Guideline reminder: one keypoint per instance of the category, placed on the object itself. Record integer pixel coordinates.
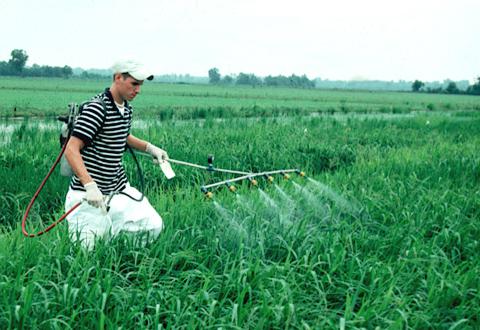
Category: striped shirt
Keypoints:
(104, 132)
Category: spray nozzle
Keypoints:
(208, 194)
(231, 187)
(253, 181)
(269, 178)
(301, 173)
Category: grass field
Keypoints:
(383, 233)
(47, 97)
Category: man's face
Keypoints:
(127, 86)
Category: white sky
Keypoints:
(335, 39)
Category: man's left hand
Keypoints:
(159, 155)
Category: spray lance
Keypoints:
(229, 183)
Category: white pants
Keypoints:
(86, 223)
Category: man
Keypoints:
(95, 151)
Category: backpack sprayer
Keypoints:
(66, 170)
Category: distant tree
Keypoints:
(435, 90)
(35, 70)
(227, 80)
(18, 60)
(248, 79)
(254, 80)
(270, 81)
(417, 85)
(475, 88)
(452, 88)
(5, 69)
(214, 76)
(67, 71)
(301, 81)
(292, 81)
(242, 79)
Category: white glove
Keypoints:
(159, 155)
(94, 196)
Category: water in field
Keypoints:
(6, 135)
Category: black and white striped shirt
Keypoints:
(104, 132)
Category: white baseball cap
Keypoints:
(135, 69)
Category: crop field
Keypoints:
(47, 97)
(382, 233)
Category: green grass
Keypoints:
(390, 241)
(48, 97)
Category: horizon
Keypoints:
(354, 79)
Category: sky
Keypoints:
(429, 40)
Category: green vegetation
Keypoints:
(49, 97)
(251, 79)
(16, 66)
(450, 88)
(385, 235)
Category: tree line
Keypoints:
(418, 86)
(16, 66)
(214, 77)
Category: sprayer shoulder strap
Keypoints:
(99, 100)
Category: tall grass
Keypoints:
(388, 238)
(49, 97)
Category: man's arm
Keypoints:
(93, 195)
(137, 143)
(159, 155)
(74, 158)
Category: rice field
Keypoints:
(383, 232)
(48, 97)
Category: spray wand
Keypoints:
(250, 176)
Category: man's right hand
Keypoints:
(94, 196)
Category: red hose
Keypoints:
(24, 220)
